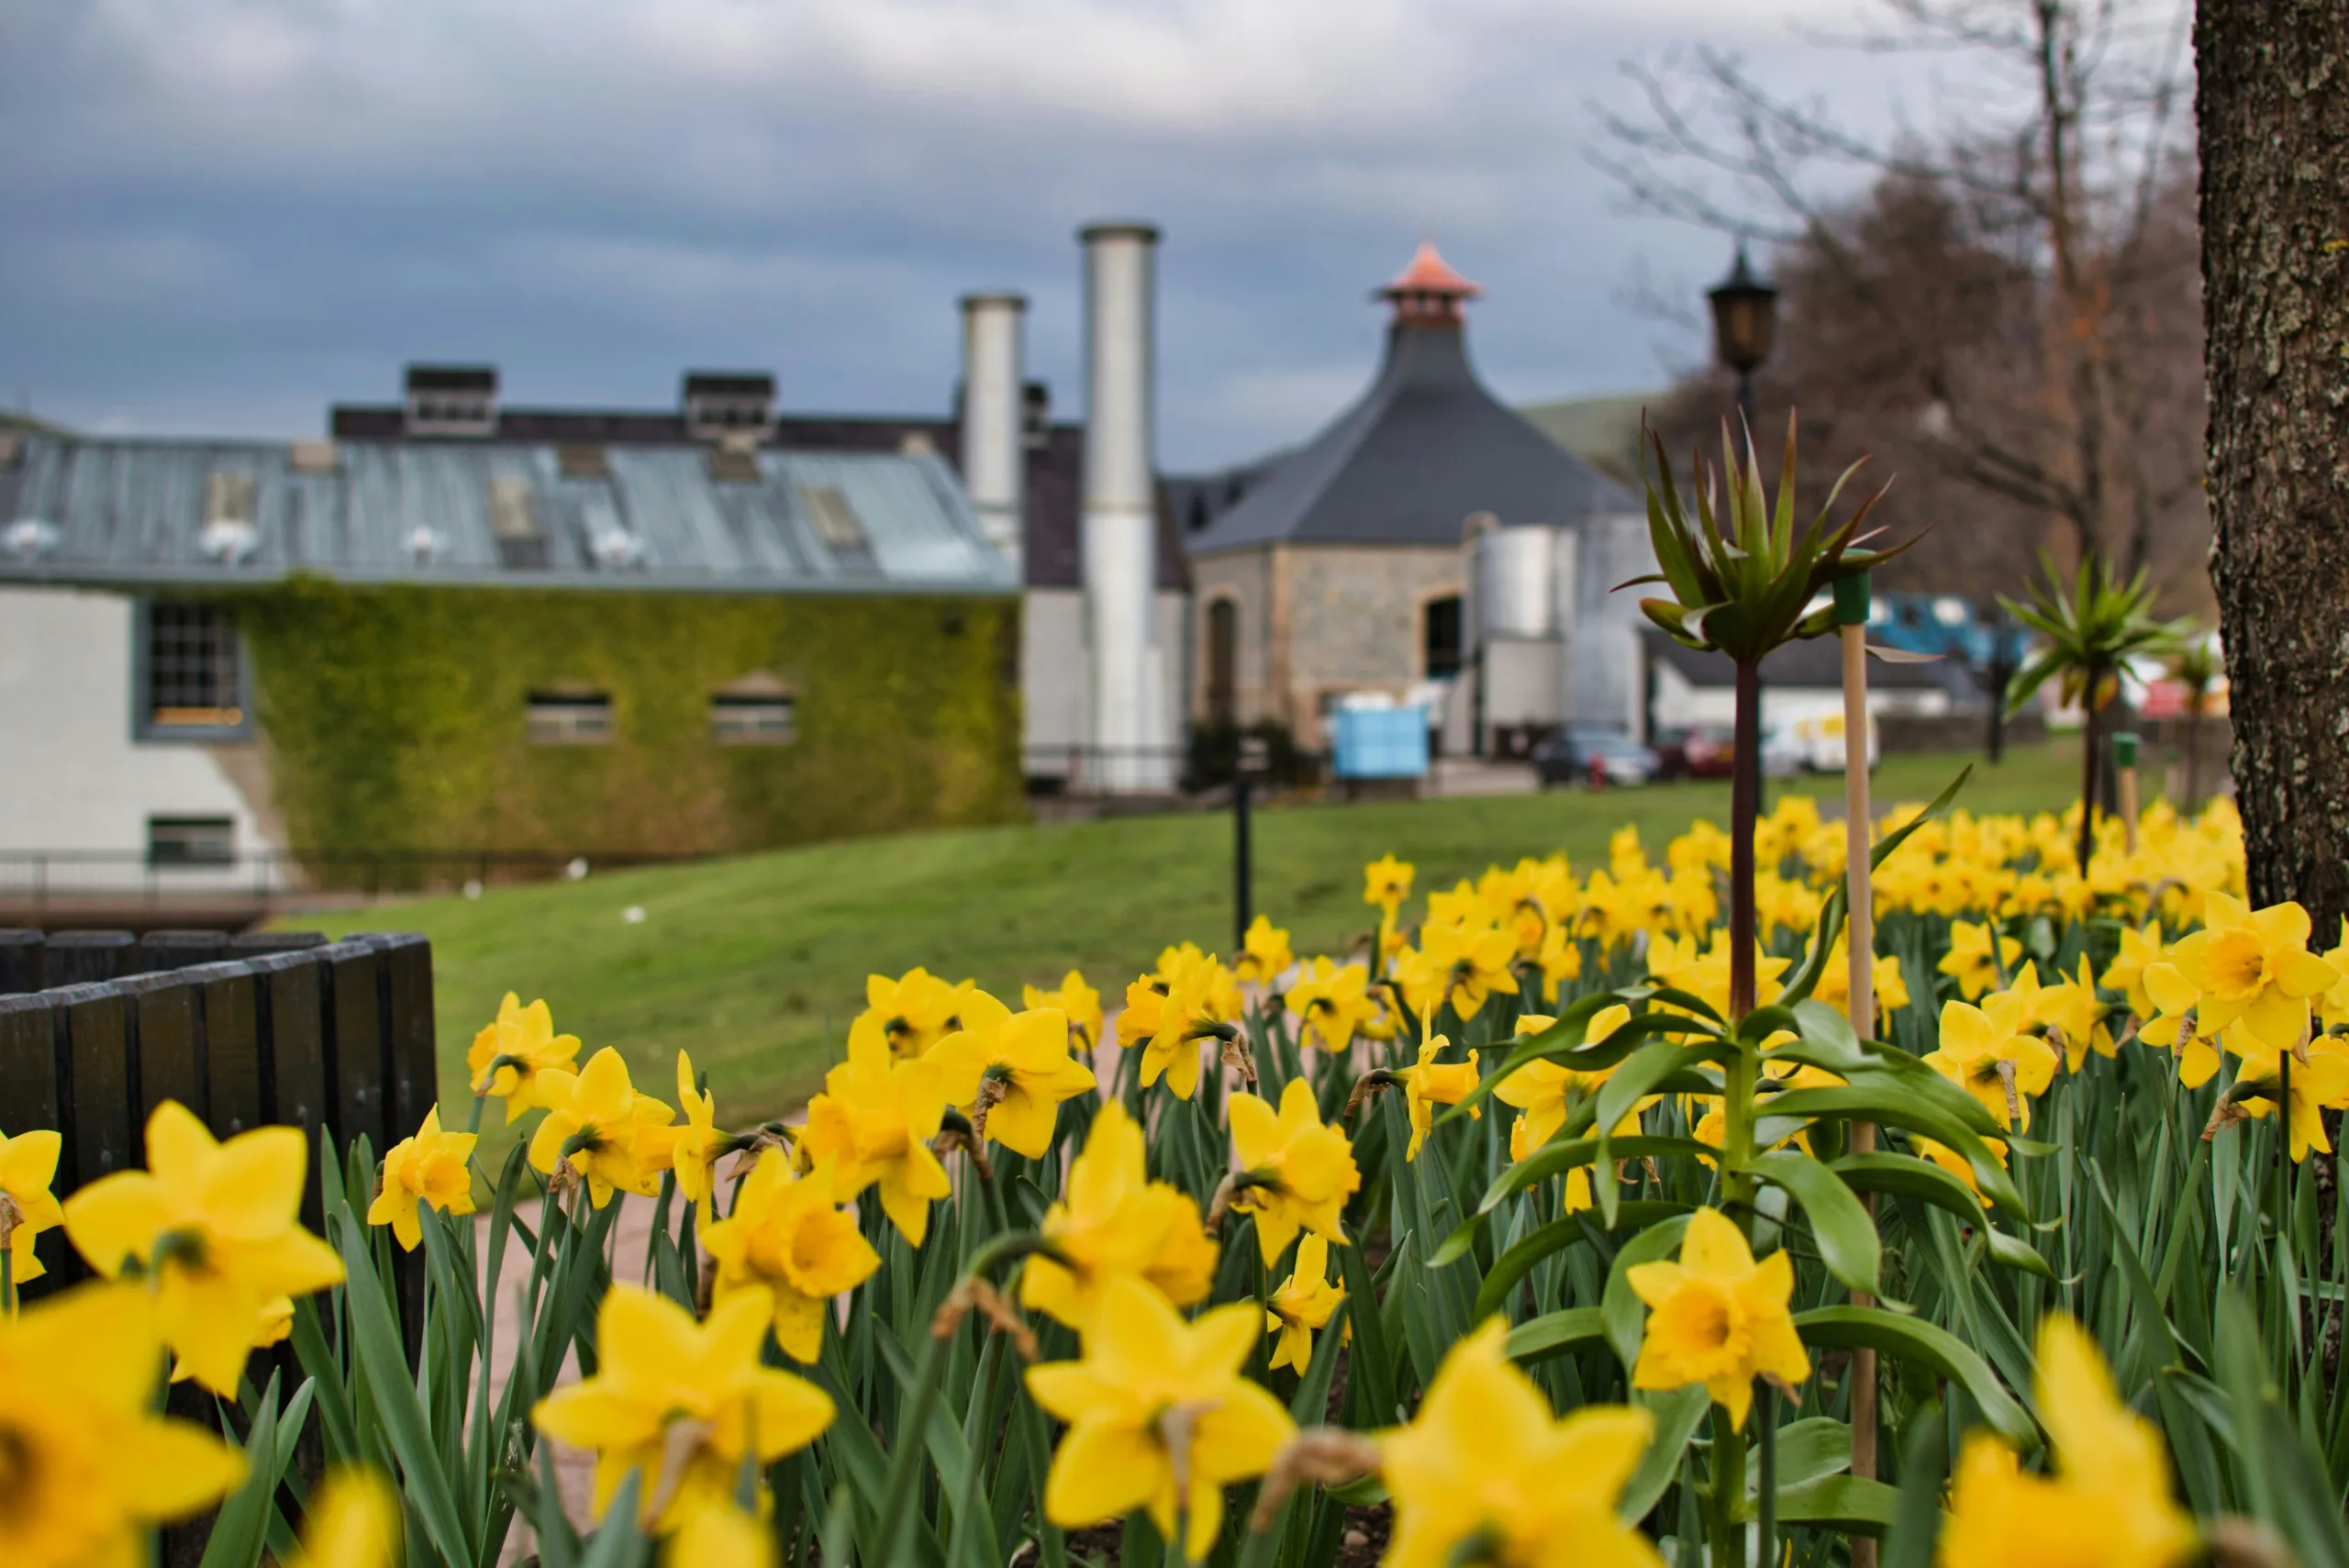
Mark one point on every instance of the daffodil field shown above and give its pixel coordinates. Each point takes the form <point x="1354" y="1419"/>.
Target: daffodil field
<point x="1571" y="1217"/>
<point x="1494" y="1237"/>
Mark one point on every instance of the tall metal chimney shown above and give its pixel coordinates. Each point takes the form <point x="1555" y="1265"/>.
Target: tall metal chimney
<point x="995" y="453"/>
<point x="1120" y="511"/>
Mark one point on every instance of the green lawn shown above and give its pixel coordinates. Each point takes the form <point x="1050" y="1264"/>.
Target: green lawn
<point x="756" y="964"/>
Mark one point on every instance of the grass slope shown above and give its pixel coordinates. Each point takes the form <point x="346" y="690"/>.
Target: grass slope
<point x="756" y="963"/>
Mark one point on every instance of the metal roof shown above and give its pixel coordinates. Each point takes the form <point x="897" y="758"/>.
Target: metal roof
<point x="1425" y="448"/>
<point x="149" y="511"/>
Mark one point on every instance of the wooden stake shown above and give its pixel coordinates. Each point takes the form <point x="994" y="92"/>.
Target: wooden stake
<point x="1852" y="616"/>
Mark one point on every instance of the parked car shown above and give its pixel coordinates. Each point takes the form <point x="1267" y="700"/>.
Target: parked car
<point x="1567" y="756"/>
<point x="1698" y="751"/>
<point x="1818" y="741"/>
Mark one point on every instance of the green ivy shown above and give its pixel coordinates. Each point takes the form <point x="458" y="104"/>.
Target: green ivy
<point x="393" y="716"/>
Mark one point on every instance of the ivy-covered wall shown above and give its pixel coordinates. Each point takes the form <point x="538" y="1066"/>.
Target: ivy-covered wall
<point x="394" y="715"/>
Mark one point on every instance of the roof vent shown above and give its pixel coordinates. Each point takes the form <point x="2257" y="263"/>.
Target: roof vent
<point x="513" y="523"/>
<point x="311" y="457"/>
<point x="28" y="538"/>
<point x="423" y="544"/>
<point x="719" y="403"/>
<point x="229" y="535"/>
<point x="229" y="541"/>
<point x="735" y="459"/>
<point x="616" y="549"/>
<point x="452" y="400"/>
<point x="916" y="443"/>
<point x="579" y="460"/>
<point x="838" y="525"/>
<point x="12" y="449"/>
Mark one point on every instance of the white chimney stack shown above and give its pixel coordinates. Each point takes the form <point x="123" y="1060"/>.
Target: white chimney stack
<point x="1120" y="527"/>
<point x="994" y="454"/>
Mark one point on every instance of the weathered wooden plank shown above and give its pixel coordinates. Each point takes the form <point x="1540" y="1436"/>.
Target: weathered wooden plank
<point x="166" y="1043"/>
<point x="353" y="1014"/>
<point x="21" y="968"/>
<point x="227" y="1012"/>
<point x="161" y="950"/>
<point x="298" y="1074"/>
<point x="100" y="1091"/>
<point x="414" y="1067"/>
<point x="86" y="957"/>
<point x="30" y="1099"/>
<point x="276" y="942"/>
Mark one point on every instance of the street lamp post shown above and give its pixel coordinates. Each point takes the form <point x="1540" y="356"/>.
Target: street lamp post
<point x="1745" y="321"/>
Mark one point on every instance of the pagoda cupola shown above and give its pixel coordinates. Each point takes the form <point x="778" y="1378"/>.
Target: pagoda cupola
<point x="1428" y="293"/>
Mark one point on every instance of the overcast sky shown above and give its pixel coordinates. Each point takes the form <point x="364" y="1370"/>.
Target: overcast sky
<point x="223" y="215"/>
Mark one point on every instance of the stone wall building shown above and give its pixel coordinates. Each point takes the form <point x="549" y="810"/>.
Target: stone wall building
<point x="1387" y="557"/>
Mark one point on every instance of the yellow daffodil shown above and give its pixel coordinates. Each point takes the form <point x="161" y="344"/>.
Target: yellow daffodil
<point x="507" y="1057"/>
<point x="694" y="1147"/>
<point x="720" y="1535"/>
<point x="1332" y="1003"/>
<point x="1984" y="1051"/>
<point x="1459" y="964"/>
<point x="354" y="1521"/>
<point x="1522" y="1143"/>
<point x="915" y="1011"/>
<point x="215" y="1228"/>
<point x="1302" y="1304"/>
<point x="1429" y="1084"/>
<point x="28" y="1167"/>
<point x="1718" y="1317"/>
<point x="1834" y="986"/>
<point x="2247" y="966"/>
<point x="612" y="1136"/>
<point x="1560" y="955"/>
<point x="431" y="1169"/>
<point x="1010" y="1072"/>
<point x="1950" y="1160"/>
<point x="1970" y="960"/>
<point x="1264" y="954"/>
<point x="1116" y="1221"/>
<point x="873" y="1121"/>
<point x="1081" y="1002"/>
<point x="1160" y="1417"/>
<point x="660" y="1376"/>
<point x="1485" y="1474"/>
<point x="2109" y="1501"/>
<point x="2074" y="1017"/>
<point x="789" y="1242"/>
<point x="1545" y="1090"/>
<point x="1385" y="883"/>
<point x="2333" y="1007"/>
<point x="1704" y="973"/>
<point x="85" y="1468"/>
<point x="2318" y="1085"/>
<point x="2138" y="947"/>
<point x="1295" y="1172"/>
<point x="1167" y="1012"/>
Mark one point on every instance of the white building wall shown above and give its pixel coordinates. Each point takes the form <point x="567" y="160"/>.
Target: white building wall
<point x="71" y="775"/>
<point x="1606" y="674"/>
<point x="1054" y="691"/>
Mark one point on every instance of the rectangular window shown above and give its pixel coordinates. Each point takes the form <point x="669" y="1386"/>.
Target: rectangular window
<point x="191" y="842"/>
<point x="741" y="719"/>
<point x="570" y="718"/>
<point x="192" y="677"/>
<point x="1440" y="627"/>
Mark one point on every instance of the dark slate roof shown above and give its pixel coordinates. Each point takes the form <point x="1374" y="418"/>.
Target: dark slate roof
<point x="1425" y="448"/>
<point x="1055" y="487"/>
<point x="1815" y="662"/>
<point x="131" y="512"/>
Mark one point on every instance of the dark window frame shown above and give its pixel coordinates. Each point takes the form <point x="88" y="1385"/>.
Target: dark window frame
<point x="1453" y="658"/>
<point x="753" y="733"/>
<point x="553" y="718"/>
<point x="145" y="726"/>
<point x="188" y="843"/>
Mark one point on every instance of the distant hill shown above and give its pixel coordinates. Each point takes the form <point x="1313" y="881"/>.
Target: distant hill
<point x="1602" y="432"/>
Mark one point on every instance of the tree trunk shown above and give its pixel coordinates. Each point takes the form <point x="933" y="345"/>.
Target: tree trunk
<point x="2091" y="750"/>
<point x="2273" y="101"/>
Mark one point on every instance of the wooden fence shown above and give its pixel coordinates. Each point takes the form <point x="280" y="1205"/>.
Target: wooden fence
<point x="97" y="1028"/>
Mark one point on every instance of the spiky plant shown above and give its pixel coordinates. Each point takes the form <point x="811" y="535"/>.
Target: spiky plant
<point x="1747" y="578"/>
<point x="2092" y="625"/>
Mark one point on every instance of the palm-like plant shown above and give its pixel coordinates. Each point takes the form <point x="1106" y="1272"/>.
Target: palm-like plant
<point x="2093" y="625"/>
<point x="2198" y="666"/>
<point x="1747" y="578"/>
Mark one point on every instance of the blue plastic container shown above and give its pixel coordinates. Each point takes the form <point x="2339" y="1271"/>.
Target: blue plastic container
<point x="1380" y="742"/>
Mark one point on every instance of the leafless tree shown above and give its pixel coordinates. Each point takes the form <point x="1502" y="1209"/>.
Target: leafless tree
<point x="2004" y="305"/>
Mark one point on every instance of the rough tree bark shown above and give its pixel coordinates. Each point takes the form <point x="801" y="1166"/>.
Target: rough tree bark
<point x="2273" y="95"/>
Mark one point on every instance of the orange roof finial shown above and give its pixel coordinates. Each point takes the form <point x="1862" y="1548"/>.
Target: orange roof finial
<point x="1429" y="292"/>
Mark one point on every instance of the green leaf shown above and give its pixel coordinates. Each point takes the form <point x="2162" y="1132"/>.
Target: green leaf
<point x="1905" y="1175"/>
<point x="1808" y="1450"/>
<point x="1913" y="1111"/>
<point x="1561" y="1156"/>
<point x="1678" y="1412"/>
<point x="1917" y="1513"/>
<point x="240" y="1529"/>
<point x="1514" y="1264"/>
<point x="1624" y="1314"/>
<point x="1556" y="1334"/>
<point x="1844" y="1230"/>
<point x="1888" y="1333"/>
<point x="1846" y="1503"/>
<point x="381" y="1356"/>
<point x="2016" y="1253"/>
<point x="1372" y="1361"/>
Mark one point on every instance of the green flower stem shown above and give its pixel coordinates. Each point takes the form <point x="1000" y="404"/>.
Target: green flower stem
<point x="1729" y="1489"/>
<point x="8" y="1281"/>
<point x="1766" y="1414"/>
<point x="905" y="1452"/>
